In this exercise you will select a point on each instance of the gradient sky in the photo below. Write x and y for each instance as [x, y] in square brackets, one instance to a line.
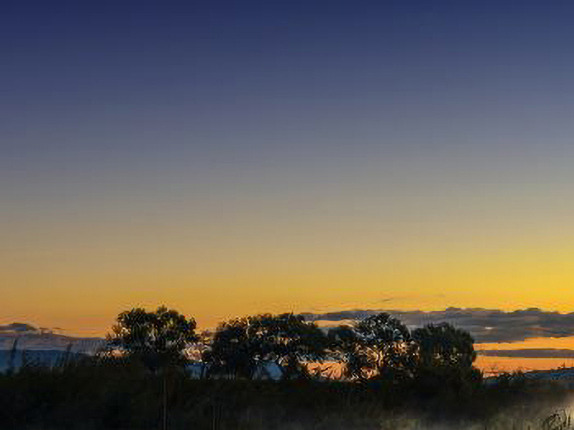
[227, 158]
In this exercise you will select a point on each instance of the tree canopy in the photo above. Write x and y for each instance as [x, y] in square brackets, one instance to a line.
[156, 338]
[377, 347]
[444, 345]
[242, 345]
[445, 357]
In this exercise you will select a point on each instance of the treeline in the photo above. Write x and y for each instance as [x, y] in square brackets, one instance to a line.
[379, 348]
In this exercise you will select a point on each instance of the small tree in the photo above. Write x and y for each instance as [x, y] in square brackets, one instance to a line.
[158, 339]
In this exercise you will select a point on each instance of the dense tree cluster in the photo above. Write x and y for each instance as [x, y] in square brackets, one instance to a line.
[241, 346]
[378, 348]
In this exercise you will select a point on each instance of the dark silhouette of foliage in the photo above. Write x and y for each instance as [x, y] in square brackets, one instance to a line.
[241, 346]
[232, 351]
[445, 357]
[117, 395]
[377, 347]
[157, 339]
[444, 345]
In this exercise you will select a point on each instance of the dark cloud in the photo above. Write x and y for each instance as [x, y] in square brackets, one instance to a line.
[530, 353]
[486, 325]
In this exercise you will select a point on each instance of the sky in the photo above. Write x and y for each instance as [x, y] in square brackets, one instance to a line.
[228, 158]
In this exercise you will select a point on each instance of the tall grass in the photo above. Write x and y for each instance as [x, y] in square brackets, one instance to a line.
[88, 395]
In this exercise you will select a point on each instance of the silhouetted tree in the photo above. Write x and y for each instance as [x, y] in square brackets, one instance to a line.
[444, 345]
[157, 338]
[242, 345]
[377, 347]
[232, 351]
[445, 357]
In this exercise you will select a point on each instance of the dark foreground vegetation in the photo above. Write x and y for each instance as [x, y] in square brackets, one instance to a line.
[106, 396]
[390, 378]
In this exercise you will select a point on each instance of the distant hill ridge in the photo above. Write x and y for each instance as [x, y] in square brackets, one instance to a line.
[28, 337]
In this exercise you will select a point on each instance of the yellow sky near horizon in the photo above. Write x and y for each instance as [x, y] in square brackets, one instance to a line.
[399, 237]
[61, 293]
